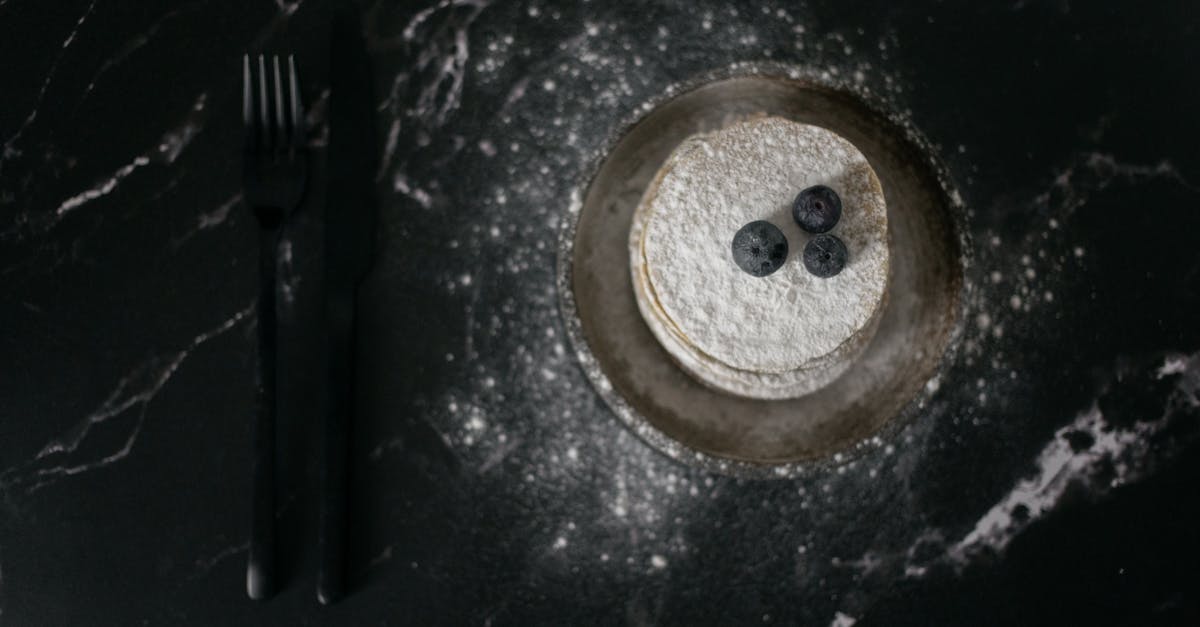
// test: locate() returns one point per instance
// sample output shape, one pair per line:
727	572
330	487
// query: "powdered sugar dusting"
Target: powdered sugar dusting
786	321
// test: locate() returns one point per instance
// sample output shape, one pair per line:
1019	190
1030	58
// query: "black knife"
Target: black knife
350	217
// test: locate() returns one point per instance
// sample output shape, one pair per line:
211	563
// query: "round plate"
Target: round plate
726	433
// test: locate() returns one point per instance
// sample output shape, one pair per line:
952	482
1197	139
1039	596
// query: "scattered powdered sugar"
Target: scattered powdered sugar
521	420
842	620
491	132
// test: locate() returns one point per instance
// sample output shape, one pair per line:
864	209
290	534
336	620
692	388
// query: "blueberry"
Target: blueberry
825	255
759	248
817	209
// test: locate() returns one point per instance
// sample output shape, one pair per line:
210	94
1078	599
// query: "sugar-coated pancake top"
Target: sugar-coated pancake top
716	183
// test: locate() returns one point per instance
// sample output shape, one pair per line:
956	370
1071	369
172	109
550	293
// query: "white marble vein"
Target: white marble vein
168	149
289	279
316	119
10	145
204	565
134	391
382	557
1105	456
130	47
1108	169
1057	468
400	183
1116	456
209	219
497	456
287	8
217	216
282	15
448	54
441	34
103	187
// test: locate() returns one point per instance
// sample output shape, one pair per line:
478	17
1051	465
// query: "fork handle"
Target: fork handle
260	571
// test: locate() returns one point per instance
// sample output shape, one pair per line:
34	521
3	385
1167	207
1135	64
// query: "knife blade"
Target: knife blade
350	221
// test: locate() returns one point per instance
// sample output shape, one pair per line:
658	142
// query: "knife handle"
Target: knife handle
260	570
339	413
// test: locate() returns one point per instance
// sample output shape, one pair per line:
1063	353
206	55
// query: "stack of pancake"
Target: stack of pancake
779	336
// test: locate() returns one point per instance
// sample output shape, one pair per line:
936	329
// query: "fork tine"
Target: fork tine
280	121
298	122
247	95
264	113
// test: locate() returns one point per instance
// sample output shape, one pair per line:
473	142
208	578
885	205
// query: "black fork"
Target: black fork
275	171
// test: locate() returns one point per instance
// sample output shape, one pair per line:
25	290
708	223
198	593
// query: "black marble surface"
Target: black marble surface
1049	480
